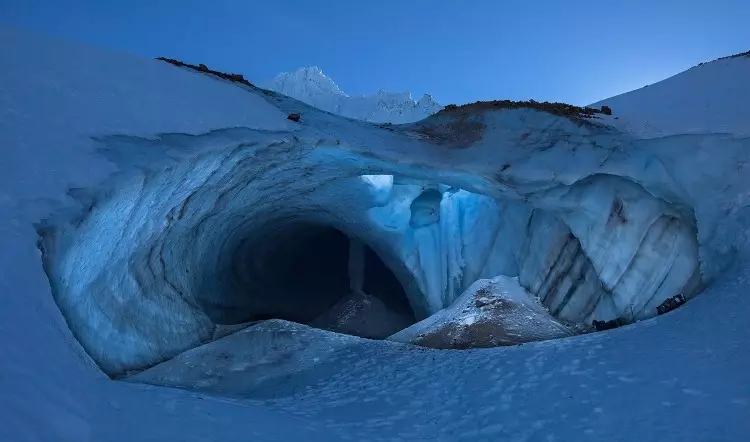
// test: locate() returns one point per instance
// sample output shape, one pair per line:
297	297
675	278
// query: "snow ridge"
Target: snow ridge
310	85
709	98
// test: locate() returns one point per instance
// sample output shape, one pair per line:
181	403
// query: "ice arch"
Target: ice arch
162	257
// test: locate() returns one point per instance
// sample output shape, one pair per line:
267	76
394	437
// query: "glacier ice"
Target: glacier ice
165	254
155	205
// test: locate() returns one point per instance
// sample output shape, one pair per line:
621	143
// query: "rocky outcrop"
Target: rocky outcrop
237	78
364	315
577	114
490	313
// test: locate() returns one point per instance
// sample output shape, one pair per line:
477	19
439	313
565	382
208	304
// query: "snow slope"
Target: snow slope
143	193
710	98
313	87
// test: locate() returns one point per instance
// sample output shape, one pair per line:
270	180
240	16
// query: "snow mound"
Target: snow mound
239	362
490	313
310	85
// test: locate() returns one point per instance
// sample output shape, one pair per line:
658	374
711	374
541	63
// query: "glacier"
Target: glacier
138	229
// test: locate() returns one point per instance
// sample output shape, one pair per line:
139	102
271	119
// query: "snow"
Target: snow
312	86
709	98
241	362
143	193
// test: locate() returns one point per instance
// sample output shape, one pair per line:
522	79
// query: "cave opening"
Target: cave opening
186	270
317	275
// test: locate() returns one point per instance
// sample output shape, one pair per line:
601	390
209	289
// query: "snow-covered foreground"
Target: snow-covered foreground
156	195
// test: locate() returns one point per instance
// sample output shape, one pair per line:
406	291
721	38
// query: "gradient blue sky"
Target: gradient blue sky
459	51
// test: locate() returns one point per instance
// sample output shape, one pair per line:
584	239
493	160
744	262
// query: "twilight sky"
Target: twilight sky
459	51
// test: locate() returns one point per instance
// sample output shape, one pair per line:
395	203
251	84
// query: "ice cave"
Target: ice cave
192	266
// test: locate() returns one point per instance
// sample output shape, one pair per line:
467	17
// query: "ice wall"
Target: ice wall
153	264
599	249
164	256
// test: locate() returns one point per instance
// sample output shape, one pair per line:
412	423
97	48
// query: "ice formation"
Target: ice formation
159	215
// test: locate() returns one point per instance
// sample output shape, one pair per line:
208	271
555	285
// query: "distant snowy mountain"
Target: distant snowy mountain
312	86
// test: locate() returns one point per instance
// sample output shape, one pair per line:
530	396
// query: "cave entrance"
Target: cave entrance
319	276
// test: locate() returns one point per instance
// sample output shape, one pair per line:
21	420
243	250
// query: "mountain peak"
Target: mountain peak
428	100
311	69
304	81
310	85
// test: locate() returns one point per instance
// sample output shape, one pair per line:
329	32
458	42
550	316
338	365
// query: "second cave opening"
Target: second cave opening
316	275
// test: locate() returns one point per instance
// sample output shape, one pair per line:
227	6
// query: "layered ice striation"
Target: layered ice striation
588	250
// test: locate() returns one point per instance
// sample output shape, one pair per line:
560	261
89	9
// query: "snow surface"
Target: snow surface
709	98
240	363
312	86
117	166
